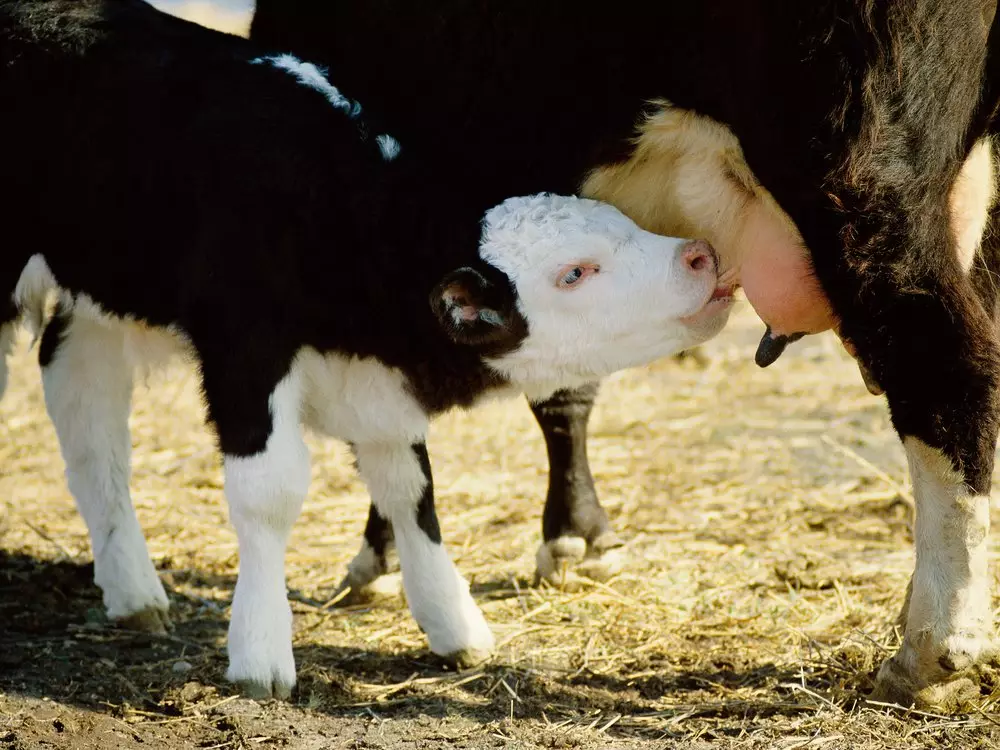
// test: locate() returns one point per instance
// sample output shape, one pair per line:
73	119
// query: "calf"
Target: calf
179	189
835	151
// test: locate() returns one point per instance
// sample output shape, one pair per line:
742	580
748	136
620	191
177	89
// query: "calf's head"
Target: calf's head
568	290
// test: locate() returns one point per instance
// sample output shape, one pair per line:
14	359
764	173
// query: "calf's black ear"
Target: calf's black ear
477	311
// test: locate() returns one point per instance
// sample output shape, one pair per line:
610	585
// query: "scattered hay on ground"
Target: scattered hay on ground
767	514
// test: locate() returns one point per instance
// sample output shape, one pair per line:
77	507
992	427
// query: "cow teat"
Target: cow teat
771	347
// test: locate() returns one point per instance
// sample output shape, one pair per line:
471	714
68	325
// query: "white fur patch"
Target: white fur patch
315	78
265	493
972	197
388	145
88	392
358	400
437	594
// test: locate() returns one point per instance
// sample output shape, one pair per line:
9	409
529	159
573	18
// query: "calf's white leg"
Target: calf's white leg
88	392
398	476
265	493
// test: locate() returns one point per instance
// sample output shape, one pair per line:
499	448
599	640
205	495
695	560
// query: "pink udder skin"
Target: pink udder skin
778	279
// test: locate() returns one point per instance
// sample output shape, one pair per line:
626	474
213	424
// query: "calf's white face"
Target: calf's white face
588	293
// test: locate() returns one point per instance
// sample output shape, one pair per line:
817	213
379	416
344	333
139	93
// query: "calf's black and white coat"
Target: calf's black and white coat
176	189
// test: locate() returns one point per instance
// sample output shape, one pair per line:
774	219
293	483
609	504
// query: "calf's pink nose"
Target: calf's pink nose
700	257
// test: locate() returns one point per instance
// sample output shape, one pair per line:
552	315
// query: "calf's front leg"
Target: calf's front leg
399	479
266	466
575	528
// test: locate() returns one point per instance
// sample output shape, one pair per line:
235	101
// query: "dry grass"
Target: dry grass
768	520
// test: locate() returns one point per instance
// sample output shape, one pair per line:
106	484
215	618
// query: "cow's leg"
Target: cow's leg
398	476
575	528
88	393
948	615
371	562
978	254
255	407
930	343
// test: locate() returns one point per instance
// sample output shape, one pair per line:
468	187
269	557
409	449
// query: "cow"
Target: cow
837	153
179	189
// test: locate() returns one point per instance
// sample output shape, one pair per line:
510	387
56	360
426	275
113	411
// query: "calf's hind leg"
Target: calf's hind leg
399	479
88	392
371	563
575	529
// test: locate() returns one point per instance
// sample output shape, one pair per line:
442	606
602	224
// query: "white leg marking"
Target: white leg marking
88	392
555	556
437	594
265	493
948	622
562	560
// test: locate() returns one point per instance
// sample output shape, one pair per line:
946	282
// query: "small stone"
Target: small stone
192	691
180	667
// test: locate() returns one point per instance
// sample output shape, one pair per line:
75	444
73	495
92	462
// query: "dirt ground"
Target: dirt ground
767	518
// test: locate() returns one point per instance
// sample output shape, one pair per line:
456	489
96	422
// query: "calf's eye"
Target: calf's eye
571	275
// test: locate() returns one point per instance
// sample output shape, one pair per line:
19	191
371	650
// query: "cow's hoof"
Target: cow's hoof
368	591
952	683
560	561
262	691
149	620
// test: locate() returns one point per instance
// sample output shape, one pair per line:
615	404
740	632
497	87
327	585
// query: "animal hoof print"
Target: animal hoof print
262	691
149	620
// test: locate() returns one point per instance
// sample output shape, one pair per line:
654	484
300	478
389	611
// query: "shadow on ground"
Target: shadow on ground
56	644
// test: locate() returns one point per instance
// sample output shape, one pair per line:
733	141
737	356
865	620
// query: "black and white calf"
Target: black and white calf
178	190
839	152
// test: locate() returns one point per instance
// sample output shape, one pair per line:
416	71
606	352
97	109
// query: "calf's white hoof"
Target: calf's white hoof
131	590
149	620
261	662
262	691
464	641
261	681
